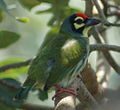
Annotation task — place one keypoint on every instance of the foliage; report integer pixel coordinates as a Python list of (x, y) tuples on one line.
[(7, 92), (1, 15), (12, 73), (59, 10), (7, 38)]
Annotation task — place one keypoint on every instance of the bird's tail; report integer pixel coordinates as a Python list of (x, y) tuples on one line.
[(22, 93)]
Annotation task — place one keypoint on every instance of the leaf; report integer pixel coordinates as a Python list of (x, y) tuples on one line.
[(1, 15), (12, 73), (23, 19), (6, 107), (29, 4), (7, 38), (8, 89)]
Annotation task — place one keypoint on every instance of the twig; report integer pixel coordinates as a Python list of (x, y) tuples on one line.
[(102, 16), (104, 47), (102, 66), (105, 4), (113, 5), (15, 65), (107, 55)]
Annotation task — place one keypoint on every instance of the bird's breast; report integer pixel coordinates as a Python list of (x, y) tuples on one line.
[(71, 51)]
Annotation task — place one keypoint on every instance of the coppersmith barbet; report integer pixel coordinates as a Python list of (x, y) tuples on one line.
[(61, 57)]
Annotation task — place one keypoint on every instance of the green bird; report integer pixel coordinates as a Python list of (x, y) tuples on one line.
[(61, 57)]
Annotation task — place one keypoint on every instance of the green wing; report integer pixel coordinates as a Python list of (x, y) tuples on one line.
[(38, 62), (72, 52)]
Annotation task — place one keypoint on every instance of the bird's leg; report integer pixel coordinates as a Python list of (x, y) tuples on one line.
[(60, 90)]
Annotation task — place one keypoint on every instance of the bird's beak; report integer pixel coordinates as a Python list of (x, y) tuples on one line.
[(92, 21)]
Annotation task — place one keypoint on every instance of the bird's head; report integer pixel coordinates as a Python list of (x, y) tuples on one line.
[(79, 23)]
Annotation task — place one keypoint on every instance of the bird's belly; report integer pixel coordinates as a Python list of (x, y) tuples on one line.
[(74, 72)]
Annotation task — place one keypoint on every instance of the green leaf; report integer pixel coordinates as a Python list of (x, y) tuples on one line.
[(8, 89), (7, 38), (6, 107), (1, 15), (29, 4), (23, 19), (15, 72)]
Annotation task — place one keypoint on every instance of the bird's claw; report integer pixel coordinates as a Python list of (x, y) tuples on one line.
[(61, 90)]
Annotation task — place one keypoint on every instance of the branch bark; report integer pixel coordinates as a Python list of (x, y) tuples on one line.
[(104, 47), (85, 90), (15, 65), (106, 53), (102, 16), (65, 101)]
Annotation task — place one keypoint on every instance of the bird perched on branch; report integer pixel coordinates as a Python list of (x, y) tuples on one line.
[(60, 58)]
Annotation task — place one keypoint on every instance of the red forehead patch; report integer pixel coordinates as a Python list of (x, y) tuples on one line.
[(81, 15)]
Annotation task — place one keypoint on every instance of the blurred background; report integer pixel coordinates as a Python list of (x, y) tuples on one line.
[(29, 21)]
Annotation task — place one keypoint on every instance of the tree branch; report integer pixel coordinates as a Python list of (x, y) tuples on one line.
[(104, 47), (15, 65), (106, 53), (102, 16), (65, 101)]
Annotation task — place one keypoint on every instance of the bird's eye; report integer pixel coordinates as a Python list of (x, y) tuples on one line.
[(79, 20)]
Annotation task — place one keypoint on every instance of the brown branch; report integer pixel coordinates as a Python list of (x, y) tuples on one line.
[(102, 16), (104, 47), (84, 94), (105, 4), (106, 53), (65, 101), (15, 65), (85, 90), (114, 6), (114, 13)]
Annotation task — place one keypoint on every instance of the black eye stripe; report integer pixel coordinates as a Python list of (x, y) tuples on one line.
[(78, 21)]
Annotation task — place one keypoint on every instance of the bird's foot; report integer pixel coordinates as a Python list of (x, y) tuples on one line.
[(61, 90)]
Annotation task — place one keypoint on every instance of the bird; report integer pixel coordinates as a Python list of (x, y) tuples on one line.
[(61, 57)]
